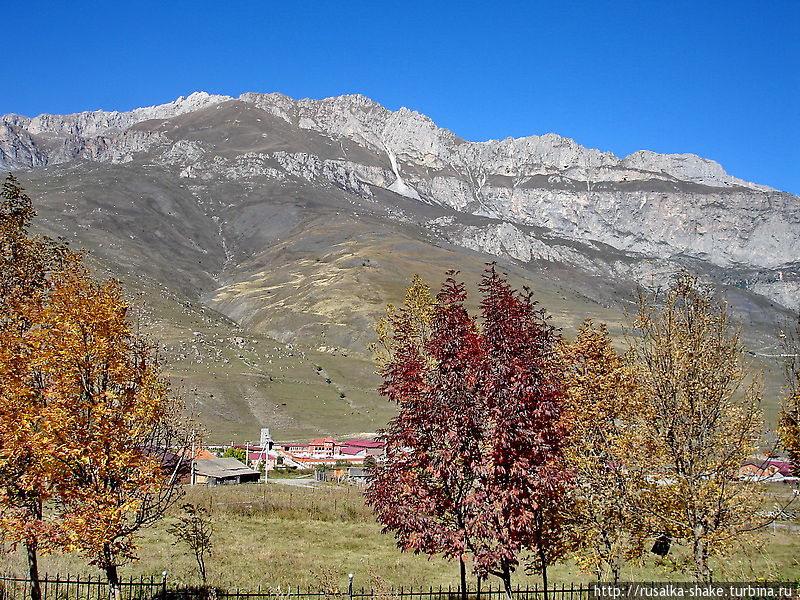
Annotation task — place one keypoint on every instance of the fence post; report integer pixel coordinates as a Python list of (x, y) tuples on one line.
[(350, 585), (163, 585)]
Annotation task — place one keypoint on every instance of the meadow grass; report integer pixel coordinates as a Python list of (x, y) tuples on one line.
[(277, 535)]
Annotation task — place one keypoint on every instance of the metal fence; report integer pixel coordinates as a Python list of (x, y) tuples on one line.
[(84, 588), (156, 588), (487, 592)]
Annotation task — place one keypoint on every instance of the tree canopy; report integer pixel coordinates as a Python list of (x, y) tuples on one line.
[(91, 436), (472, 457)]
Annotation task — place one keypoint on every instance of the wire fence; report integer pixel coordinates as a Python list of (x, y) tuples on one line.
[(157, 588)]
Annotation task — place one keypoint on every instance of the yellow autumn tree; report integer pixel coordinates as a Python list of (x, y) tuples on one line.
[(120, 435), (789, 425), (27, 263), (413, 317), (91, 439), (702, 420), (603, 407)]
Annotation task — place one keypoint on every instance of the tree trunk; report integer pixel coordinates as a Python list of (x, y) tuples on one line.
[(544, 581), (616, 569), (612, 560), (507, 582), (478, 595), (463, 571), (543, 559), (113, 581), (201, 564), (33, 569), (702, 570)]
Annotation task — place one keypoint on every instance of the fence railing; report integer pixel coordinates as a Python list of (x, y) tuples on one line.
[(83, 588), (487, 592), (157, 588)]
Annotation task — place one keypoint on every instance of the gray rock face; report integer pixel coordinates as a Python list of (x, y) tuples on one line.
[(100, 122), (647, 206)]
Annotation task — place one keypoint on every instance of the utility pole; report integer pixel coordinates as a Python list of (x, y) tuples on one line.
[(192, 460)]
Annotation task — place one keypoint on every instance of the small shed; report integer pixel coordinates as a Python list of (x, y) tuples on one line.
[(224, 471), (357, 475)]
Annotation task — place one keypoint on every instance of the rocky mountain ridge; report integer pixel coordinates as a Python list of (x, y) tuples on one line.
[(400, 133), (660, 205)]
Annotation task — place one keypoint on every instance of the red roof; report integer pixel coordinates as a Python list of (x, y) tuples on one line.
[(329, 460), (784, 467), (360, 443), (322, 442), (202, 454), (260, 455), (353, 450)]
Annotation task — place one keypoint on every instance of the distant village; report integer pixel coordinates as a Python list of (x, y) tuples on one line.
[(327, 458)]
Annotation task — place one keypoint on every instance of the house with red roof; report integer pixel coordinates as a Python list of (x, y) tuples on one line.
[(328, 450), (323, 447), (784, 467), (766, 470), (363, 448), (354, 452)]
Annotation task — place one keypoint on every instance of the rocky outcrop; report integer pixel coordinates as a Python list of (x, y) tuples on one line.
[(666, 207), (18, 149), (100, 122), (93, 135)]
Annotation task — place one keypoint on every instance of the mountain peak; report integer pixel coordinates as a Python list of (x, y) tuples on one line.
[(406, 132)]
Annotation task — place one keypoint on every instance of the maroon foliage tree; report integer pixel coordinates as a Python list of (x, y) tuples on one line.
[(517, 501), (472, 459), (420, 491)]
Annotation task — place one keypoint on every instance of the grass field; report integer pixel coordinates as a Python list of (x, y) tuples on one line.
[(280, 535)]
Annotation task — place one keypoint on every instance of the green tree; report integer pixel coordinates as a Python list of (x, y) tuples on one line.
[(236, 453)]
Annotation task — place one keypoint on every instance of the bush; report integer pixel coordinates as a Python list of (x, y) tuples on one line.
[(236, 453)]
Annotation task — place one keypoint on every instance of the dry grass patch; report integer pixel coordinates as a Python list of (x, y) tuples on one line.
[(278, 535)]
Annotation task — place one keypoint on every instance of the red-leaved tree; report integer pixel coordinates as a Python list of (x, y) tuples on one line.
[(420, 492), (517, 501), (472, 459)]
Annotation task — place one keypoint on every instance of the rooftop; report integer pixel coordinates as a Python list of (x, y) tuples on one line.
[(362, 443), (222, 467)]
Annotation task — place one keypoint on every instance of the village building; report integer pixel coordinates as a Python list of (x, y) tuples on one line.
[(223, 471), (261, 457), (770, 470), (329, 451), (180, 465), (357, 475), (354, 475), (323, 447), (354, 452), (370, 447)]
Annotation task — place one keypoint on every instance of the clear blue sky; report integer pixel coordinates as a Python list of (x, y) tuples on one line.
[(719, 78)]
